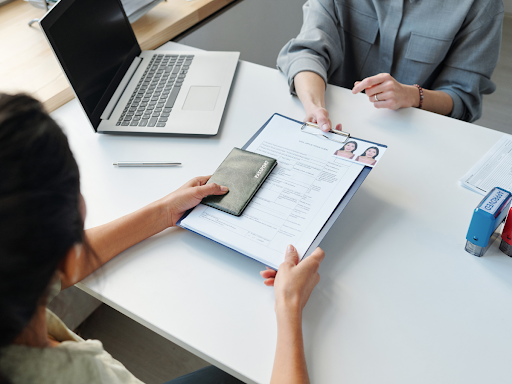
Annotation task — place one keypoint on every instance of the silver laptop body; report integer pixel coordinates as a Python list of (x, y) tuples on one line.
[(125, 90), (172, 92)]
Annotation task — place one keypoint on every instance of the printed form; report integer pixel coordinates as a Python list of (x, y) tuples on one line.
[(493, 170), (294, 202)]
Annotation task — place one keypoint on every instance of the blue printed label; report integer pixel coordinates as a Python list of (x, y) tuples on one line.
[(494, 201)]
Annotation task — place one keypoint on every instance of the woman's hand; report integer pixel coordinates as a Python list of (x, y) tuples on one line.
[(390, 93), (310, 88), (320, 116), (295, 281), (188, 196), (113, 238), (292, 285)]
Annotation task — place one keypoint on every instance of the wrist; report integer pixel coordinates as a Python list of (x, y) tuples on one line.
[(162, 213), (413, 96), (310, 88), (288, 311), (311, 105)]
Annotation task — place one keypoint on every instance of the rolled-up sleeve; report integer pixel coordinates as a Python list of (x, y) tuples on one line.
[(466, 71), (317, 48)]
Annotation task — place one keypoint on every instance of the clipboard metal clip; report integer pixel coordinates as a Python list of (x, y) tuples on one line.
[(341, 133)]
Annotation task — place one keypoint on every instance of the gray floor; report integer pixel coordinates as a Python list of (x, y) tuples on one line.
[(258, 29), (150, 357)]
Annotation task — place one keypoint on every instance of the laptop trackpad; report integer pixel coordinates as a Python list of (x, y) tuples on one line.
[(201, 98)]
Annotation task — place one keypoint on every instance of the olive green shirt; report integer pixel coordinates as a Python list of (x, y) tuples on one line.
[(74, 360)]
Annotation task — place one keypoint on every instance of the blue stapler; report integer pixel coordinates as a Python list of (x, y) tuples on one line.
[(488, 215)]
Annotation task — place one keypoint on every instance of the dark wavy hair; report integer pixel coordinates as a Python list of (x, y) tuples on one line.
[(376, 149), (353, 142), (40, 217)]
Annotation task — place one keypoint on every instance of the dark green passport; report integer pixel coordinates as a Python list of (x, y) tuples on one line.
[(243, 172)]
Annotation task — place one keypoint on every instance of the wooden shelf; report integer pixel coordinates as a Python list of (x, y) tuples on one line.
[(27, 63)]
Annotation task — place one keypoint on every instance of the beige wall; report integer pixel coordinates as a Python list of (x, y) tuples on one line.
[(508, 6)]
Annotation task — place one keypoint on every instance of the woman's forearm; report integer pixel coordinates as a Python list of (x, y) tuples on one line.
[(108, 240), (437, 101), (433, 101), (310, 89), (290, 361)]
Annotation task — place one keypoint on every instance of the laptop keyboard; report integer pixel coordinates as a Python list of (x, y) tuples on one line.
[(153, 99)]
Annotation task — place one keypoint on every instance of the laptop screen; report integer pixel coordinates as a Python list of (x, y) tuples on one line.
[(95, 45)]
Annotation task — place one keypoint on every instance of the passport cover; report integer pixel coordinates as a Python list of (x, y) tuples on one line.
[(243, 172)]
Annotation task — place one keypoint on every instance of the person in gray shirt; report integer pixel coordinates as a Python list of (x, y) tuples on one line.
[(438, 55)]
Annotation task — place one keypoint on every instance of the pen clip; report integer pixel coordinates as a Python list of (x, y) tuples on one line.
[(341, 133)]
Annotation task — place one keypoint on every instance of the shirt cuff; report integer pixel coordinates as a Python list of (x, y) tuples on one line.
[(459, 110), (305, 64)]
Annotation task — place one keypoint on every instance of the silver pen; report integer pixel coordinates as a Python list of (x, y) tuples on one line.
[(146, 164)]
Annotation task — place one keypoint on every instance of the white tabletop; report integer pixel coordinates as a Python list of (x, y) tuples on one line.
[(400, 301)]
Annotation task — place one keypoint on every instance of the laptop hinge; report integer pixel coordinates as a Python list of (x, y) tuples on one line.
[(120, 89)]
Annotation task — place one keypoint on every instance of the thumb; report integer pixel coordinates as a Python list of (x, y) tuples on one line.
[(291, 255), (211, 189), (323, 122)]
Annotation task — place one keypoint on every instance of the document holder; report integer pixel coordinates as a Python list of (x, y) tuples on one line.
[(335, 213), (312, 125)]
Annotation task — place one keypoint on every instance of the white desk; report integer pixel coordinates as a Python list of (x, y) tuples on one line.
[(400, 301)]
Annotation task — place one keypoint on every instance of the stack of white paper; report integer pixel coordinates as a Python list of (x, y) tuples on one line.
[(135, 9), (296, 200), (493, 170)]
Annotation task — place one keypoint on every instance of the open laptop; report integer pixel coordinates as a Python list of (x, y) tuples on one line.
[(125, 90)]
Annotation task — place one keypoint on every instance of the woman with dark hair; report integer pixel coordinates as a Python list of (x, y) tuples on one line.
[(368, 156), (44, 248), (347, 150)]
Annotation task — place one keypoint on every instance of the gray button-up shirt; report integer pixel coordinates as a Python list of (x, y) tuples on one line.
[(446, 45)]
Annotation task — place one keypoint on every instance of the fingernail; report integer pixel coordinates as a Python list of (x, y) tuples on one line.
[(290, 248), (325, 127), (223, 188)]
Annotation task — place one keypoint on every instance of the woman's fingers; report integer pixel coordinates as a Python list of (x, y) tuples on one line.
[(196, 181), (387, 100), (312, 262), (309, 119), (370, 82), (323, 121), (320, 117), (211, 189), (387, 104), (268, 273), (291, 255), (377, 90)]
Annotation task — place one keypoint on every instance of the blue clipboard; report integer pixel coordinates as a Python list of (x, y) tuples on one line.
[(332, 219)]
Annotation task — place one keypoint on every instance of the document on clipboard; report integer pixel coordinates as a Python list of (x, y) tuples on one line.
[(317, 174)]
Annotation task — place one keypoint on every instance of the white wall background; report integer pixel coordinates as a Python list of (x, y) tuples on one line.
[(508, 6)]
